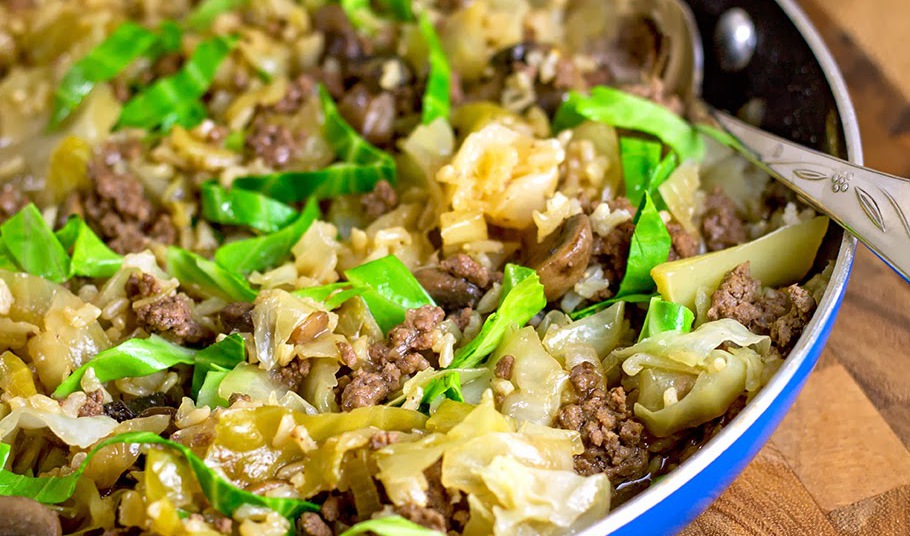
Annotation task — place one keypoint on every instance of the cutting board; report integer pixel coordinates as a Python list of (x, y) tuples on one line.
[(839, 464)]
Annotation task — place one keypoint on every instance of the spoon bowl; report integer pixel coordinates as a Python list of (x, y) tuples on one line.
[(871, 205)]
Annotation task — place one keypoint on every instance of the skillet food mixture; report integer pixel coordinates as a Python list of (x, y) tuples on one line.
[(303, 267)]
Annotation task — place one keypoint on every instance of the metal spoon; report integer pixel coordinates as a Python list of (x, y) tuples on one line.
[(873, 206)]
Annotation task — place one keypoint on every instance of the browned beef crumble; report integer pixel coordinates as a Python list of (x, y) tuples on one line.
[(93, 405), (444, 511), (380, 201), (383, 439), (236, 317), (298, 92), (504, 366), (348, 356), (609, 431), (392, 361), (275, 144), (167, 315), (310, 524), (683, 244), (612, 251), (457, 282), (117, 208), (720, 225), (781, 314), (464, 266), (339, 507), (293, 375), (223, 524), (461, 317)]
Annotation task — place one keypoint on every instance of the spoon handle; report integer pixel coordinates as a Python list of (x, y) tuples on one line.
[(873, 206)]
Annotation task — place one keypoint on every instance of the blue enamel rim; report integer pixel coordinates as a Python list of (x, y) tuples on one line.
[(668, 506)]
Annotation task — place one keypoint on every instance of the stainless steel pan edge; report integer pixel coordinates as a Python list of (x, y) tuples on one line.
[(814, 334)]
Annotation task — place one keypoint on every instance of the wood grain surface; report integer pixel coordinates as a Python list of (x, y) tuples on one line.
[(839, 464)]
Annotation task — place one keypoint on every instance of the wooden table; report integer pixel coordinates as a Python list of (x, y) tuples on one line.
[(839, 464)]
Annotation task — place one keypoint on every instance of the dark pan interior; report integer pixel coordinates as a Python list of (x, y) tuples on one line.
[(785, 76)]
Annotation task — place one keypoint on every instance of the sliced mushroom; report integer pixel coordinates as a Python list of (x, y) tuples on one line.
[(449, 291), (20, 516), (563, 256)]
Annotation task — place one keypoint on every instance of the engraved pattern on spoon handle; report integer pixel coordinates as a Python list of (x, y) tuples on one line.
[(872, 205)]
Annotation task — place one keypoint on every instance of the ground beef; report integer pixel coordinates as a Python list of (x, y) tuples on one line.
[(293, 375), (168, 315), (423, 516), (781, 314), (612, 251), (275, 144), (236, 317), (683, 244), (298, 92), (310, 524), (461, 317), (457, 282), (464, 266), (504, 367), (786, 329), (381, 200), (407, 351), (12, 200), (339, 507), (609, 431), (117, 208), (93, 405), (444, 511), (224, 525), (348, 356), (720, 225), (383, 439)]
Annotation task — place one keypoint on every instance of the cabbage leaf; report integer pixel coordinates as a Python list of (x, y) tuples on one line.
[(207, 278), (436, 97), (650, 247), (389, 526), (332, 295), (522, 298), (261, 252), (222, 356), (666, 316), (223, 496), (624, 110), (90, 256), (130, 359), (389, 290), (204, 14), (33, 246), (174, 100), (102, 63), (243, 207), (639, 160), (360, 166)]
